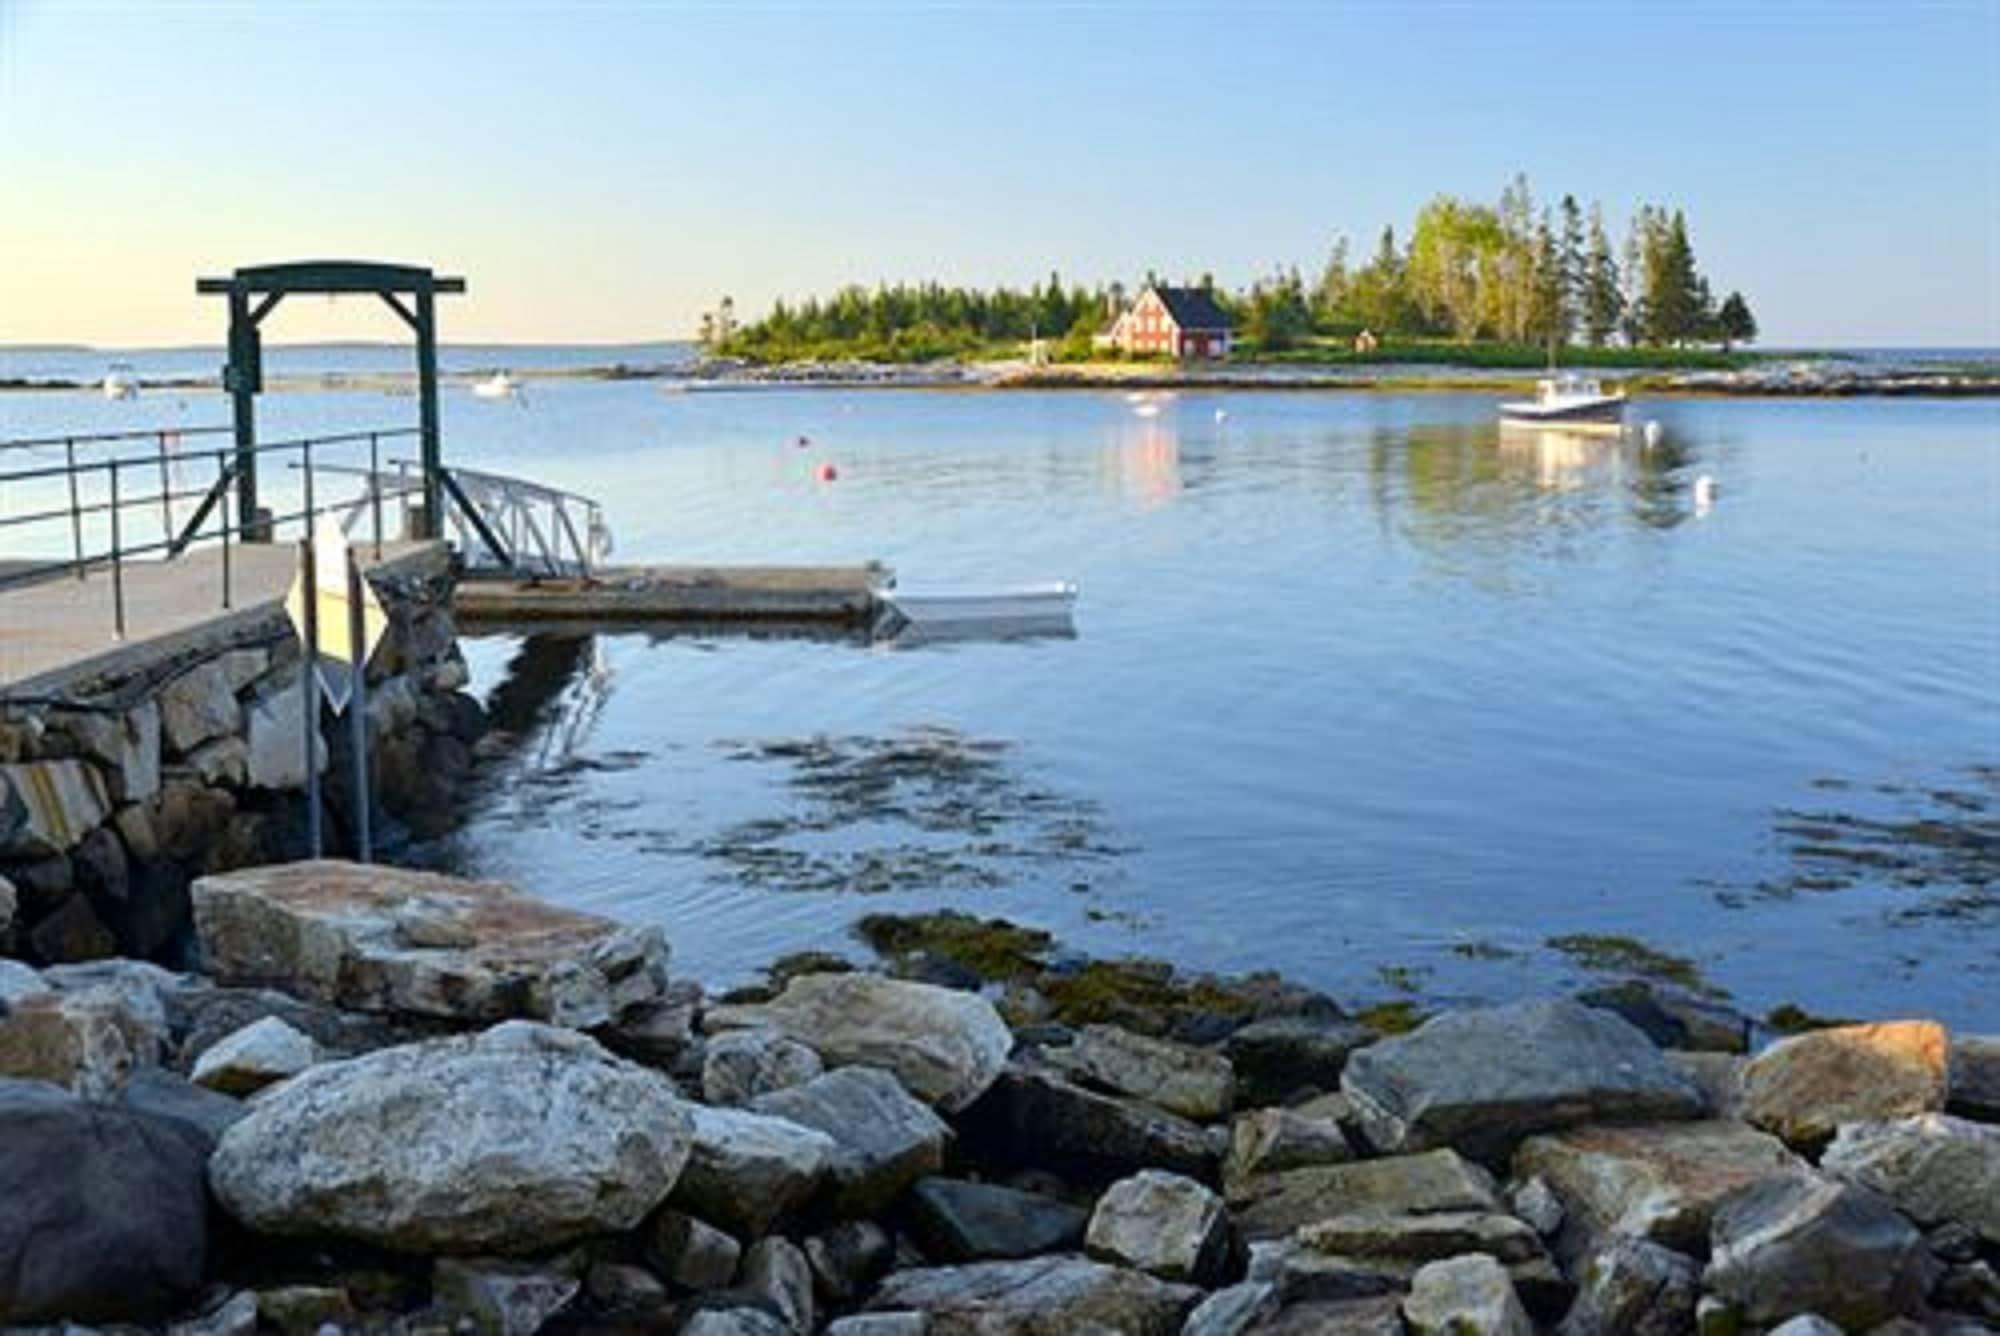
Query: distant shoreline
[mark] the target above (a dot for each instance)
(1808, 377)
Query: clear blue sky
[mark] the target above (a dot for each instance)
(604, 171)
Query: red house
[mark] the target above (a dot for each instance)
(1179, 322)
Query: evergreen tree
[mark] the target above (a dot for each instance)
(1548, 312)
(1329, 299)
(1278, 316)
(1574, 276)
(1633, 321)
(1673, 295)
(1601, 303)
(1734, 322)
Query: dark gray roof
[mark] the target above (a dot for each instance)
(1193, 308)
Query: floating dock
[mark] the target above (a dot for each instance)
(841, 595)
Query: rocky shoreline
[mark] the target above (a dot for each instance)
(393, 1101)
(1805, 378)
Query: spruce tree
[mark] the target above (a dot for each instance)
(1574, 276)
(1601, 303)
(1549, 308)
(1734, 321)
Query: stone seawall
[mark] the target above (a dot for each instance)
(124, 782)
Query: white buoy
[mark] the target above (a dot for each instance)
(1704, 493)
(1222, 415)
(1147, 409)
(1653, 432)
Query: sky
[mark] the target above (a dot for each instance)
(603, 172)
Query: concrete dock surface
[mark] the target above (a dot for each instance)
(62, 630)
(631, 594)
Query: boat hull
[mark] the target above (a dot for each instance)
(1597, 411)
(1025, 603)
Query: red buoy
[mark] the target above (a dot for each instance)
(826, 473)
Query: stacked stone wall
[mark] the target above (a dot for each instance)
(118, 788)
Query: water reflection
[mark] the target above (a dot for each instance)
(552, 692)
(1145, 461)
(1481, 488)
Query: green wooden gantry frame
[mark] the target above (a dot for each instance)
(253, 293)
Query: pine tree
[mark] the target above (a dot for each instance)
(1330, 297)
(1574, 276)
(1633, 323)
(1549, 311)
(1734, 321)
(1601, 302)
(1673, 295)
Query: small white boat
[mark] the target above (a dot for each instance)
(499, 385)
(120, 383)
(1566, 400)
(1007, 603)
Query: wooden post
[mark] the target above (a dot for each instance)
(427, 410)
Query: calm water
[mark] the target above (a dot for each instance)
(1358, 684)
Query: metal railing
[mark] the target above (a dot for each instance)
(524, 527)
(87, 505)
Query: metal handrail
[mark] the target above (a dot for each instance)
(116, 502)
(101, 437)
(500, 511)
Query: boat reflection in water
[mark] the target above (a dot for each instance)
(1567, 457)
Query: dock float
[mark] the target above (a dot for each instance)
(847, 595)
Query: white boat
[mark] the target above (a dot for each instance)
(120, 383)
(499, 385)
(1006, 603)
(1567, 400)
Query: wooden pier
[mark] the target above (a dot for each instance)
(840, 595)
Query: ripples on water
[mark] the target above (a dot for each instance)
(1363, 690)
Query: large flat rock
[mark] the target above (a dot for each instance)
(1660, 1182)
(1481, 1080)
(1936, 1168)
(1038, 1296)
(1191, 1082)
(747, 1170)
(1035, 1117)
(957, 1221)
(1804, 1087)
(382, 939)
(1272, 1205)
(1806, 1244)
(945, 1046)
(884, 1139)
(518, 1139)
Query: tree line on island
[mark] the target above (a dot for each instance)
(1501, 278)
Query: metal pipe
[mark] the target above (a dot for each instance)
(222, 472)
(166, 494)
(375, 489)
(309, 684)
(117, 560)
(357, 710)
(75, 513)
